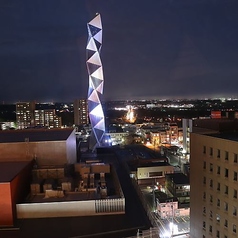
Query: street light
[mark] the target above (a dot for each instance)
(172, 230)
(171, 225)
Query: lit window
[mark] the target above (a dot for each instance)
(218, 218)
(226, 155)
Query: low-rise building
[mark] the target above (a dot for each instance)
(178, 186)
(45, 146)
(14, 186)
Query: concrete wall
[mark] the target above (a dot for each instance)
(20, 186)
(203, 196)
(143, 173)
(6, 216)
(71, 149)
(72, 208)
(11, 193)
(46, 152)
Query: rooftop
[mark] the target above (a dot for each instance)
(178, 178)
(233, 136)
(34, 135)
(9, 170)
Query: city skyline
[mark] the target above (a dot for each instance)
(165, 49)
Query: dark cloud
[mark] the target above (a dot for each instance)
(150, 48)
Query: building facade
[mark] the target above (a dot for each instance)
(214, 185)
(25, 114)
(51, 120)
(46, 147)
(28, 117)
(81, 112)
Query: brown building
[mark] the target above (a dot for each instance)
(46, 146)
(14, 185)
(214, 185)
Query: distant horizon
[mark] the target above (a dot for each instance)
(117, 100)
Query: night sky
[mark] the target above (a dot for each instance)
(151, 49)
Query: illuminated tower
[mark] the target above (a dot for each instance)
(95, 89)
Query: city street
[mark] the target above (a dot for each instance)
(171, 227)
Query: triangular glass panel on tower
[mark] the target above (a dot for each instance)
(100, 88)
(90, 53)
(99, 134)
(100, 125)
(93, 104)
(96, 21)
(92, 67)
(93, 30)
(91, 45)
(94, 97)
(98, 37)
(95, 59)
(96, 82)
(97, 111)
(98, 73)
(98, 45)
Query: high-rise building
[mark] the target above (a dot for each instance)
(81, 112)
(96, 80)
(187, 129)
(51, 119)
(25, 114)
(39, 117)
(214, 185)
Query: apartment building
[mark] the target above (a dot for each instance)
(81, 112)
(25, 114)
(214, 185)
(51, 120)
